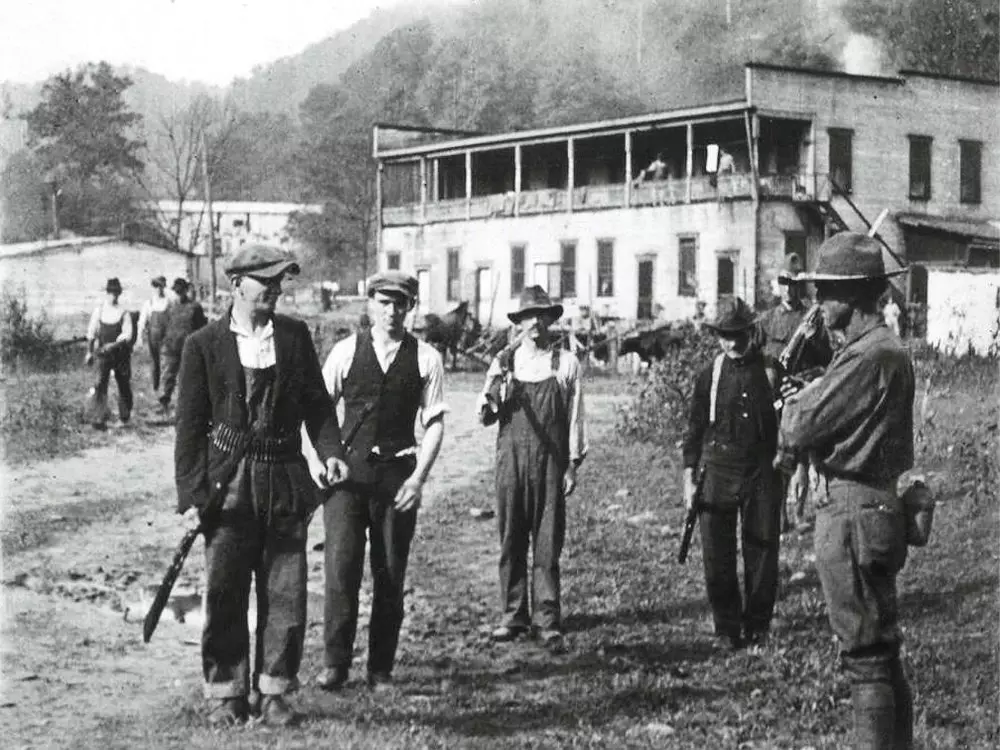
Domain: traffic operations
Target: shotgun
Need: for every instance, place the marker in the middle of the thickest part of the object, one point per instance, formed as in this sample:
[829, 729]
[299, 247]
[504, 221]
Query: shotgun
[691, 520]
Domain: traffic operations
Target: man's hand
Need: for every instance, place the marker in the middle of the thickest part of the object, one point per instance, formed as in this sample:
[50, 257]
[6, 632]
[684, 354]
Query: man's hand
[335, 472]
[789, 386]
[690, 488]
[191, 519]
[88, 358]
[798, 490]
[409, 495]
[569, 480]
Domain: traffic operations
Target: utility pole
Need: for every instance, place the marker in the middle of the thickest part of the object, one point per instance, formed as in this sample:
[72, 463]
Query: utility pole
[211, 219]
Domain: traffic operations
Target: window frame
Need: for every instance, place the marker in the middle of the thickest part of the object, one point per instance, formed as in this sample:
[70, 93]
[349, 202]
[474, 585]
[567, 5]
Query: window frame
[921, 171]
[393, 260]
[682, 288]
[453, 289]
[518, 277]
[567, 272]
[963, 145]
[606, 244]
[833, 134]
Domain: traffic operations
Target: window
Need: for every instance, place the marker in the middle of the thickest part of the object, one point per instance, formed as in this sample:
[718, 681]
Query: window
[795, 242]
[516, 270]
[725, 285]
[840, 158]
[687, 266]
[424, 290]
[970, 171]
[549, 277]
[920, 167]
[392, 261]
[454, 277]
[568, 275]
[605, 268]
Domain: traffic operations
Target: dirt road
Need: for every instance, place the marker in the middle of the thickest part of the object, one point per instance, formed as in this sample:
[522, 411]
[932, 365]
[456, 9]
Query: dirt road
[86, 538]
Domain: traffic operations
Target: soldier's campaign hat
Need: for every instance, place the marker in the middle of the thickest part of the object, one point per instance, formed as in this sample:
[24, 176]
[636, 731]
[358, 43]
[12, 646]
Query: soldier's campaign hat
[113, 285]
[792, 270]
[393, 282]
[732, 316]
[535, 301]
[180, 285]
[850, 256]
[159, 282]
[262, 261]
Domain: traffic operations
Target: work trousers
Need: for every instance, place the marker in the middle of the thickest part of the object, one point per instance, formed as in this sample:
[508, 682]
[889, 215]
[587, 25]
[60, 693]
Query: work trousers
[155, 353]
[121, 364]
[351, 513]
[171, 366]
[744, 500]
[250, 541]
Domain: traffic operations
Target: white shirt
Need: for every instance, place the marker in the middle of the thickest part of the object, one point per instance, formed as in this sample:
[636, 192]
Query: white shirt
[110, 314]
[155, 304]
[256, 348]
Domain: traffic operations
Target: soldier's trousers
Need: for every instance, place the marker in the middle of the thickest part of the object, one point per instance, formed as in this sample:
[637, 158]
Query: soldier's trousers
[155, 355]
[171, 366]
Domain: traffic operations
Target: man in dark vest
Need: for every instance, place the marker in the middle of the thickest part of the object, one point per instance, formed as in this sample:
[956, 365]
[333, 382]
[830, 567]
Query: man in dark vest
[386, 378]
[184, 317]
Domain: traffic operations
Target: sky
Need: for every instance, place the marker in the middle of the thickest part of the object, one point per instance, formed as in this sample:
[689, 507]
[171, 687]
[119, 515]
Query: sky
[212, 41]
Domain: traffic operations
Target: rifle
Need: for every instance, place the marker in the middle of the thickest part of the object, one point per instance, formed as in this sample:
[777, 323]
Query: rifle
[496, 392]
[691, 519]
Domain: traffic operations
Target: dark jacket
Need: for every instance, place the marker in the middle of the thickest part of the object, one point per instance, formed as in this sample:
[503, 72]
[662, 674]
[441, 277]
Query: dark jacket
[212, 391]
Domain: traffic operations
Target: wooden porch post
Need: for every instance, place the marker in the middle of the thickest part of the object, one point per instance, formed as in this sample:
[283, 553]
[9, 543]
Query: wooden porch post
[689, 166]
[517, 179]
[628, 168]
[468, 185]
[423, 189]
[812, 182]
[752, 154]
[571, 177]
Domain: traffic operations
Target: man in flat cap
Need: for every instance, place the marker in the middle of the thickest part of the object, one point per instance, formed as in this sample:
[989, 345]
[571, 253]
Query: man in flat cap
[248, 382]
[534, 390]
[386, 378]
[732, 433]
[110, 335]
[184, 317]
[857, 424]
[153, 325]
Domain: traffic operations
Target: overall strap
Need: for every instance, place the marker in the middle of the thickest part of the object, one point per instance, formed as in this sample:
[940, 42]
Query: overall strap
[716, 374]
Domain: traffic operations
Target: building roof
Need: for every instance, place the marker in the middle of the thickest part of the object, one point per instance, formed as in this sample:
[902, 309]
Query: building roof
[977, 229]
[72, 243]
[169, 205]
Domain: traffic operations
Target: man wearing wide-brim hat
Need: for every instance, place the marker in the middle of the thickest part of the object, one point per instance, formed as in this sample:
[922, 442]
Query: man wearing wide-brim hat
[731, 437]
[778, 324]
[184, 317]
[857, 424]
[248, 382]
[110, 335]
[534, 390]
[387, 380]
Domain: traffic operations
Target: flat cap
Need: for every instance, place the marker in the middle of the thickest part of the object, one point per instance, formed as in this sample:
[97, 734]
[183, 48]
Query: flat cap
[393, 281]
[265, 261]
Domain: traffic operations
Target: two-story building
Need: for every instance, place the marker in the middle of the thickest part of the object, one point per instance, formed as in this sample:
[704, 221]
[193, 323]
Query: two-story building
[651, 215]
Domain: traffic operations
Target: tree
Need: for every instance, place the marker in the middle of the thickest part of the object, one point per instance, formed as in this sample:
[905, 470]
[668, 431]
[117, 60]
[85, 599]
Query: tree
[82, 133]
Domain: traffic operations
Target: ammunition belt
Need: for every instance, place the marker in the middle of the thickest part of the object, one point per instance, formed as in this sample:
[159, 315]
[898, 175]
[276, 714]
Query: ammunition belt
[263, 448]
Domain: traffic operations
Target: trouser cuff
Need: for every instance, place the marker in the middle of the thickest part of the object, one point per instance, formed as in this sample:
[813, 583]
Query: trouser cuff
[219, 690]
[271, 685]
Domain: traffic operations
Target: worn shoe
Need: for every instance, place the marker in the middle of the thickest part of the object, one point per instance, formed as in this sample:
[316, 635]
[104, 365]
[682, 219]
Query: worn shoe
[275, 711]
[729, 642]
[551, 637]
[379, 681]
[332, 678]
[506, 633]
[228, 712]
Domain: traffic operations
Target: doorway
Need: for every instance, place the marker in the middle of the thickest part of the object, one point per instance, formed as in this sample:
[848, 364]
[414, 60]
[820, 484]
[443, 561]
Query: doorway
[725, 283]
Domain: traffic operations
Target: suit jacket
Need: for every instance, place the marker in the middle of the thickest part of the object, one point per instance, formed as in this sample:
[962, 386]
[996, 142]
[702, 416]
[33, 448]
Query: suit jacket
[212, 390]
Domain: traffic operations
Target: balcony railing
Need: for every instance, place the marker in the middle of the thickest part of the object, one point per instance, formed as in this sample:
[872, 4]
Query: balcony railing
[670, 192]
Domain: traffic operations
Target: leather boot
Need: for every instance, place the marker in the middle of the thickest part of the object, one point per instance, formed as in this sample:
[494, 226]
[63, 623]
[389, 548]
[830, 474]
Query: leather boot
[874, 715]
[904, 706]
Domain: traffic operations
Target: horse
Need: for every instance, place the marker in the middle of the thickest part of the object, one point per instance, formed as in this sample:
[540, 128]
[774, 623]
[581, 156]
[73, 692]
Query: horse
[456, 329]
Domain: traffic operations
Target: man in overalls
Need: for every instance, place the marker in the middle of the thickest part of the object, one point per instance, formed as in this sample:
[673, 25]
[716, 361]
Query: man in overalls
[109, 337]
[386, 378]
[857, 423]
[184, 317]
[534, 390]
[248, 383]
[153, 325]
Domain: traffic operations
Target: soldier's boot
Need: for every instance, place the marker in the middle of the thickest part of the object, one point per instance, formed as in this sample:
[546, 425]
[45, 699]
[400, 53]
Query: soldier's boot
[874, 715]
[904, 706]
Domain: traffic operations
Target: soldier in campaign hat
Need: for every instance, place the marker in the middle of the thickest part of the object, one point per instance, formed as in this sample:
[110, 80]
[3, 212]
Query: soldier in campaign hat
[110, 335]
[728, 448]
[249, 382]
[387, 380]
[534, 390]
[857, 424]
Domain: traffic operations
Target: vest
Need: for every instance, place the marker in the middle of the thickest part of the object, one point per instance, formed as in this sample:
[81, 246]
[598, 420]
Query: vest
[386, 402]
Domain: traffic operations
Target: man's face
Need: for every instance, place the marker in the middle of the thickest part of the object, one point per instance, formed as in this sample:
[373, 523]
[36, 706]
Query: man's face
[836, 301]
[259, 294]
[535, 325]
[733, 343]
[387, 311]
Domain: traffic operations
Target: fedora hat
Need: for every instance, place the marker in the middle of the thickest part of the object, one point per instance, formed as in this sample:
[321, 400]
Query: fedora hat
[792, 269]
[732, 316]
[535, 301]
[113, 285]
[393, 282]
[159, 282]
[850, 256]
[262, 261]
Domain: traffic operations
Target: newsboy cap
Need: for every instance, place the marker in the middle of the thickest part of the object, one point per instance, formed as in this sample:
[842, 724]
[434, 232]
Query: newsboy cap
[732, 316]
[159, 282]
[180, 285]
[850, 256]
[264, 261]
[535, 301]
[113, 285]
[393, 281]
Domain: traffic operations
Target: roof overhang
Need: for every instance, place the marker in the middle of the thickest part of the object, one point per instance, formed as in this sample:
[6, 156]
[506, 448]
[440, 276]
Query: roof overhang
[978, 231]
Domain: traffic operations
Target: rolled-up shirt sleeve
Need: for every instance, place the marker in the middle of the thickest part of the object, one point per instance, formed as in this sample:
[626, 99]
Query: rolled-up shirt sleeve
[578, 446]
[94, 326]
[431, 366]
[337, 365]
[126, 334]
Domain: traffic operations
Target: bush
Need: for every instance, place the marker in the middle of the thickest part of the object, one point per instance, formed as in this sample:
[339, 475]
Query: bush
[21, 336]
[658, 413]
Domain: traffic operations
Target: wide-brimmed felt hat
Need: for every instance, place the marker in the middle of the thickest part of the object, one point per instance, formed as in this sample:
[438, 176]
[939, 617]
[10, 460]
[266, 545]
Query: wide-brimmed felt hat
[732, 316]
[792, 269]
[263, 261]
[159, 282]
[535, 301]
[393, 282]
[113, 285]
[850, 256]
[180, 285]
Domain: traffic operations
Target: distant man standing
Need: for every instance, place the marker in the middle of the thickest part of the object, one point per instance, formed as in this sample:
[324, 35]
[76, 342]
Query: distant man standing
[857, 423]
[184, 317]
[248, 382]
[110, 334]
[535, 392]
[153, 325]
[386, 378]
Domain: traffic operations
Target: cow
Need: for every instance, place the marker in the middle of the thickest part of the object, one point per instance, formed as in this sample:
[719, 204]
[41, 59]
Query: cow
[456, 329]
